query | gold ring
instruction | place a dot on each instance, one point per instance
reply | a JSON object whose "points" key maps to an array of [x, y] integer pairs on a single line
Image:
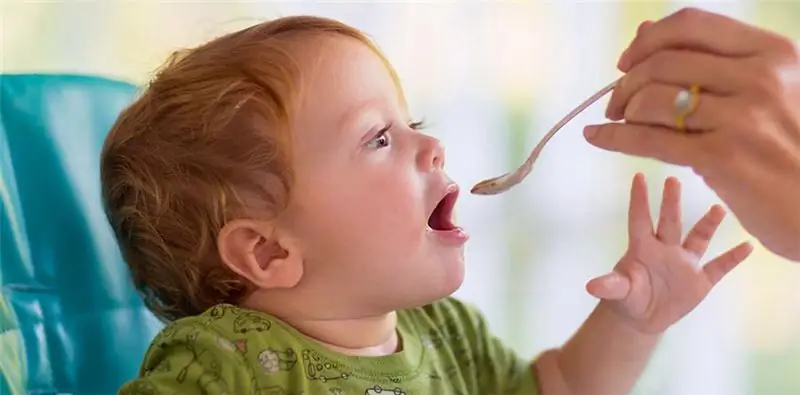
{"points": [[685, 105]]}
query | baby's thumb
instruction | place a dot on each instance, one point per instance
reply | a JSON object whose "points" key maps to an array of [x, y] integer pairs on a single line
{"points": [[611, 286]]}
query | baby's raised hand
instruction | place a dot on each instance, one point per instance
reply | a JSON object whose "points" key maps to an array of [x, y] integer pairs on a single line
{"points": [[660, 279]]}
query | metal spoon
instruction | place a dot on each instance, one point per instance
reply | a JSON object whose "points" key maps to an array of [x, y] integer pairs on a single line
{"points": [[500, 184]]}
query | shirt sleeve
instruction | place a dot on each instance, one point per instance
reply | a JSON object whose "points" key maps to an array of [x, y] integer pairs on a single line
{"points": [[190, 358], [500, 370]]}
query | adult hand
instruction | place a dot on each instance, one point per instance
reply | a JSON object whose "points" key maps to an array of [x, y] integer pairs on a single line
{"points": [[743, 138]]}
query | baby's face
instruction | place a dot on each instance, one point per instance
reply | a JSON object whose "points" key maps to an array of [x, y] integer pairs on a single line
{"points": [[367, 187]]}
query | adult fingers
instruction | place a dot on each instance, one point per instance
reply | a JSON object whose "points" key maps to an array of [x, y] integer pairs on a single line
{"points": [[655, 105], [680, 68], [692, 28], [683, 149], [643, 26]]}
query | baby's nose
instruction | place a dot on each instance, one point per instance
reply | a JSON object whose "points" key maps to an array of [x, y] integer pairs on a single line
{"points": [[431, 153]]}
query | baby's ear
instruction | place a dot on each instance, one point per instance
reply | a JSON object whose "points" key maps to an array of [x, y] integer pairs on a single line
{"points": [[256, 251]]}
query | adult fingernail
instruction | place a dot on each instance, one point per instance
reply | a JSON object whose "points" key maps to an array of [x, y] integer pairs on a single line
{"points": [[590, 131], [643, 26], [610, 111], [624, 60], [622, 63]]}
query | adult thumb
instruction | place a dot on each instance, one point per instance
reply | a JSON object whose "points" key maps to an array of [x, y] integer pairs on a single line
{"points": [[644, 141]]}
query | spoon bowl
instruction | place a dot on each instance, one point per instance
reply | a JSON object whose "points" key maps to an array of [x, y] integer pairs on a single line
{"points": [[492, 186]]}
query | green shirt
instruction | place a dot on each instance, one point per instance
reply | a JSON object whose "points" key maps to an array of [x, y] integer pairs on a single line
{"points": [[447, 350]]}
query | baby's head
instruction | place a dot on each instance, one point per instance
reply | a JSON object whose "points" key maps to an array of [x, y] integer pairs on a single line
{"points": [[278, 168]]}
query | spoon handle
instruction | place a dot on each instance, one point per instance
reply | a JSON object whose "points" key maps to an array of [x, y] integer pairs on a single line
{"points": [[572, 114], [500, 184]]}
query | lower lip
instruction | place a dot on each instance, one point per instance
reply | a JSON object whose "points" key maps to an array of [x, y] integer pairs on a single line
{"points": [[456, 237]]}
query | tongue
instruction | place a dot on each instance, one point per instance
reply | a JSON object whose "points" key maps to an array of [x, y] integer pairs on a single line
{"points": [[439, 219]]}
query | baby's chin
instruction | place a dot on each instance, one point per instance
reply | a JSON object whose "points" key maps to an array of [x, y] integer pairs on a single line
{"points": [[447, 281], [453, 285], [457, 275]]}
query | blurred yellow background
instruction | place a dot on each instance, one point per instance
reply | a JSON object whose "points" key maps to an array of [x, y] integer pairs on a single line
{"points": [[492, 77]]}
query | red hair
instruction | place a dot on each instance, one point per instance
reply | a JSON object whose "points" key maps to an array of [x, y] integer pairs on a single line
{"points": [[207, 142]]}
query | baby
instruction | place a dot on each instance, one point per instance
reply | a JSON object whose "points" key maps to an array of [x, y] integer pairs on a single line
{"points": [[280, 208]]}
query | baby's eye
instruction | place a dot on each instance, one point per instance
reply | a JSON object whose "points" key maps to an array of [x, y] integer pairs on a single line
{"points": [[381, 140]]}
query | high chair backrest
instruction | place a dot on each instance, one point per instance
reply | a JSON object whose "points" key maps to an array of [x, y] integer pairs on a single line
{"points": [[70, 321]]}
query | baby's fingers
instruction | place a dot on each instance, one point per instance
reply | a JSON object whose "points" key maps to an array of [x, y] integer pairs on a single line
{"points": [[669, 221], [723, 264], [611, 286], [700, 236], [640, 223]]}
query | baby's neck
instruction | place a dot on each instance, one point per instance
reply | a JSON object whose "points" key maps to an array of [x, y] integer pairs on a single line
{"points": [[344, 332], [369, 336]]}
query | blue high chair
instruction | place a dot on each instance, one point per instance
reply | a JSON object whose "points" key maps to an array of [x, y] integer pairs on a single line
{"points": [[70, 320]]}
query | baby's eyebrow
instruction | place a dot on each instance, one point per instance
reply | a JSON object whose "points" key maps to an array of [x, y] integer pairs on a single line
{"points": [[351, 119], [355, 111]]}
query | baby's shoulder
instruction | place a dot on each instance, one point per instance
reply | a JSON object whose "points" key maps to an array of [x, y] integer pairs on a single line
{"points": [[223, 350], [222, 322], [253, 335]]}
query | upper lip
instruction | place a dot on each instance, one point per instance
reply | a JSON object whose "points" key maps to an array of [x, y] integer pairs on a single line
{"points": [[449, 188]]}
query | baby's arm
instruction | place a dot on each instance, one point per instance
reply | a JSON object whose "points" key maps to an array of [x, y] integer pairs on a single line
{"points": [[657, 282], [605, 357]]}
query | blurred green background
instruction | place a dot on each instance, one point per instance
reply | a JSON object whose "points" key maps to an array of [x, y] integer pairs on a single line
{"points": [[492, 77]]}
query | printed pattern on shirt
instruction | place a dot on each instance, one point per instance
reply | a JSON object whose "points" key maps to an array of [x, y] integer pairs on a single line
{"points": [[229, 350]]}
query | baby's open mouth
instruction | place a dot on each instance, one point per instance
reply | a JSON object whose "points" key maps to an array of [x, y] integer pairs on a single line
{"points": [[442, 217]]}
